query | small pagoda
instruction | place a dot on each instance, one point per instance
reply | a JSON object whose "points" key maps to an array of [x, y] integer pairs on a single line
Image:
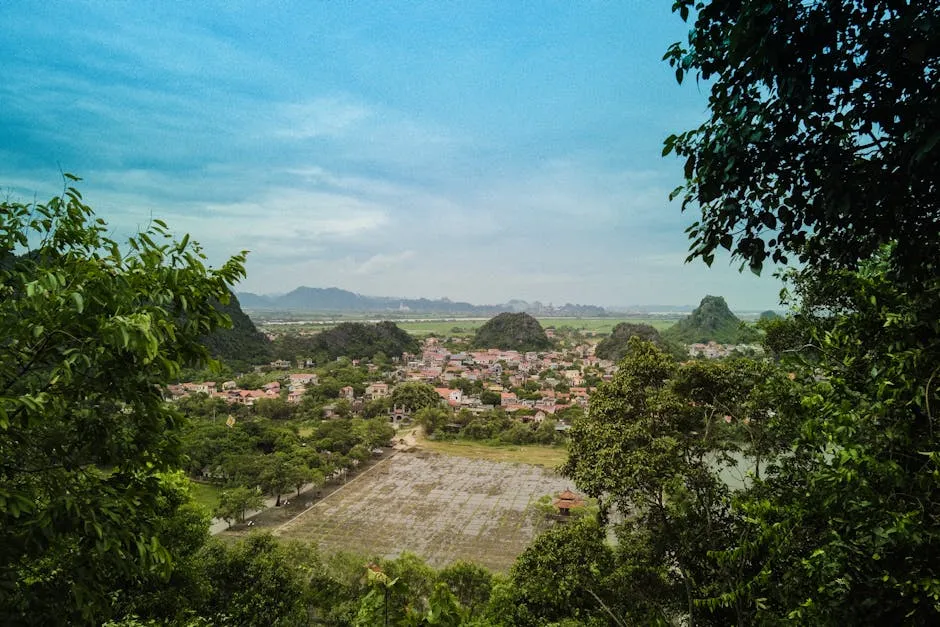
{"points": [[567, 501]]}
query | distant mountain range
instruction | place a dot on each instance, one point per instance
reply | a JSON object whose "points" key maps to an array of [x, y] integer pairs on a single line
{"points": [[334, 299]]}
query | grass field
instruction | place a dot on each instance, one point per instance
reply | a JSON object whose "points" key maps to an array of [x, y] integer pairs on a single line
{"points": [[537, 455], [466, 327], [440, 507], [206, 495]]}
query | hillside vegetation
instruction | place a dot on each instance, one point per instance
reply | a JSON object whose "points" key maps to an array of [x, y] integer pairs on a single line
{"points": [[615, 346], [711, 321], [512, 331], [356, 340], [242, 345]]}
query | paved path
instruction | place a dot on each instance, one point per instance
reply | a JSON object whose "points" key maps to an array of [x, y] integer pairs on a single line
{"points": [[218, 525]]}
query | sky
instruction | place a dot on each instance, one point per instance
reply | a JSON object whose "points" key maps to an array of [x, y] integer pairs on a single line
{"points": [[479, 151]]}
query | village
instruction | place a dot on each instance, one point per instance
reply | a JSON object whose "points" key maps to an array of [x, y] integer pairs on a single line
{"points": [[531, 386]]}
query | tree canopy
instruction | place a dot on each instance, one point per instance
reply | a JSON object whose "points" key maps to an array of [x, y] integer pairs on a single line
{"points": [[822, 141], [90, 332], [617, 344], [822, 146]]}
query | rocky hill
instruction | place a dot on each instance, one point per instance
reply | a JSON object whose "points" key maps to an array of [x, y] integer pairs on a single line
{"points": [[356, 340], [711, 321], [241, 346], [512, 331], [334, 299], [615, 345]]}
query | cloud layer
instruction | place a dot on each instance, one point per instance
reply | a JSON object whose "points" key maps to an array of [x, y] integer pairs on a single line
{"points": [[492, 153]]}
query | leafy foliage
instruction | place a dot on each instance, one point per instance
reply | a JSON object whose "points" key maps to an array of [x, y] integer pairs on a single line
{"points": [[822, 142], [512, 331], [415, 396], [88, 335], [615, 346], [242, 345], [355, 340]]}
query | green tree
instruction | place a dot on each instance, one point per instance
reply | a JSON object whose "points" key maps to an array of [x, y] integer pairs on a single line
{"points": [[489, 397], [432, 418], [300, 474], [562, 574], [91, 332], [841, 99], [276, 475], [415, 396], [653, 451], [257, 582], [234, 504], [470, 583]]}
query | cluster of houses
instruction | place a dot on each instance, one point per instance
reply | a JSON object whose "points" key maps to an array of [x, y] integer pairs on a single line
{"points": [[295, 383], [498, 371], [713, 350]]}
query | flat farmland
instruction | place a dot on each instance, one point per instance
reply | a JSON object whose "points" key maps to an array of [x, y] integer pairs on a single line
{"points": [[440, 507]]}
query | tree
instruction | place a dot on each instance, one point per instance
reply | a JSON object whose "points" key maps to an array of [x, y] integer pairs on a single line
{"points": [[299, 475], [470, 583], [561, 574], [822, 141], [822, 145], [276, 475], [489, 397], [654, 453], [234, 504], [257, 582], [91, 332], [415, 396], [432, 418]]}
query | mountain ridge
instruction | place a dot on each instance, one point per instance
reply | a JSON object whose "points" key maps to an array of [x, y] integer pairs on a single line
{"points": [[305, 298]]}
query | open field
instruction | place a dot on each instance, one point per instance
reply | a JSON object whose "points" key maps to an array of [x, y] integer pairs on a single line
{"points": [[538, 455], [457, 327], [440, 507], [206, 495]]}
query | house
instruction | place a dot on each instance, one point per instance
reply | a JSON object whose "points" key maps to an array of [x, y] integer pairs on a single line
{"points": [[507, 398], [453, 397], [376, 390], [347, 392], [303, 379], [280, 364], [248, 397]]}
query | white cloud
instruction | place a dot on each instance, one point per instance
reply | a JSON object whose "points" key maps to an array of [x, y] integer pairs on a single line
{"points": [[321, 117], [382, 262]]}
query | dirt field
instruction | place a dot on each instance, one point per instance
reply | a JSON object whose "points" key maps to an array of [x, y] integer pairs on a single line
{"points": [[440, 507]]}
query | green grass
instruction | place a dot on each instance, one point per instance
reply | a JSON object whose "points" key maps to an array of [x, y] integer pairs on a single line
{"points": [[206, 495], [468, 327], [535, 454]]}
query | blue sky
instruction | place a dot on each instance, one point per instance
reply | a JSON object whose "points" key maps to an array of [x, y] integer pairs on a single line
{"points": [[479, 151]]}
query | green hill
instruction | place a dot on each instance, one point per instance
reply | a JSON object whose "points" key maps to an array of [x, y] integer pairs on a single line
{"points": [[615, 345], [243, 344], [512, 331], [359, 340], [711, 321]]}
